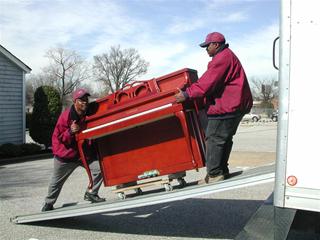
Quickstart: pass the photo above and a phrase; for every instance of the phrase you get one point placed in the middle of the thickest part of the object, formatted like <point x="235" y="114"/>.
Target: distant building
<point x="256" y="106"/>
<point x="12" y="98"/>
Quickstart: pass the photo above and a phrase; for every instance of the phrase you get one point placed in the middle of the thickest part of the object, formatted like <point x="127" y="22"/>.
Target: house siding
<point x="11" y="102"/>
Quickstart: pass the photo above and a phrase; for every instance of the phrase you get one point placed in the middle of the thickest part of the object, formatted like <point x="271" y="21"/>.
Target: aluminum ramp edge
<point x="248" y="178"/>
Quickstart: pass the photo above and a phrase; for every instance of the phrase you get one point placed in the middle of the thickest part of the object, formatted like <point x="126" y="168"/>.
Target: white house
<point x="12" y="98"/>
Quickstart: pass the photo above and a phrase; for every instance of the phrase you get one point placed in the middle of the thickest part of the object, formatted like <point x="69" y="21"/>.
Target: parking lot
<point x="215" y="216"/>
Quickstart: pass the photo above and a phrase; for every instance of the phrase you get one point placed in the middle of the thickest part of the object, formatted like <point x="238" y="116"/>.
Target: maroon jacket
<point x="224" y="85"/>
<point x="64" y="144"/>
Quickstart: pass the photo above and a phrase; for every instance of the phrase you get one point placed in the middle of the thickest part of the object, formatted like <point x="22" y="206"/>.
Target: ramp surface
<point x="250" y="177"/>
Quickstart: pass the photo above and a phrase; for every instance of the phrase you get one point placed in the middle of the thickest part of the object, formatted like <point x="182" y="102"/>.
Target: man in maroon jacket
<point x="227" y="96"/>
<point x="66" y="153"/>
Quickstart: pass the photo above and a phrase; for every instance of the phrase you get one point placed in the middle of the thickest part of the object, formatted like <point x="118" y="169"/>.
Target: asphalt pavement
<point x="222" y="215"/>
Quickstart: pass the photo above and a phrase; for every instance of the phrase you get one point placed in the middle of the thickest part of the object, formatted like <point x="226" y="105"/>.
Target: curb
<point x="42" y="156"/>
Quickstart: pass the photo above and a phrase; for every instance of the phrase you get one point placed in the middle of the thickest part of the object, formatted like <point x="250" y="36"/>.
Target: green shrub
<point x="46" y="110"/>
<point x="10" y="150"/>
<point x="30" y="148"/>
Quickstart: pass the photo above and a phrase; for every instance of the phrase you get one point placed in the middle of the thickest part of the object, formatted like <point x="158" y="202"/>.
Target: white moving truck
<point x="298" y="161"/>
<point x="297" y="177"/>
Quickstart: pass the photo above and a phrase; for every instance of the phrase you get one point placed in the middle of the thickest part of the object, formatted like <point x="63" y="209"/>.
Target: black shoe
<point x="94" y="198"/>
<point x="47" y="207"/>
<point x="226" y="174"/>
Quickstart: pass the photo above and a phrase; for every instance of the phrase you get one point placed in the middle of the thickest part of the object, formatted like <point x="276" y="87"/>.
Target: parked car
<point x="251" y="117"/>
<point x="274" y="116"/>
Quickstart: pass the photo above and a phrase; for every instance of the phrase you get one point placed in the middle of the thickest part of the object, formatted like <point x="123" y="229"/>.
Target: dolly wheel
<point x="182" y="182"/>
<point x="138" y="191"/>
<point x="168" y="187"/>
<point x="122" y="195"/>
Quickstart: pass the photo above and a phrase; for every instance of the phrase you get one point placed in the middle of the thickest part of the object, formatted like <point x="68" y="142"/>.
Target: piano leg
<point x="85" y="164"/>
<point x="182" y="117"/>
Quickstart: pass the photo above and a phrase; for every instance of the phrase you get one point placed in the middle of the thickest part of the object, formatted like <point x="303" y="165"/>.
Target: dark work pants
<point x="219" y="135"/>
<point x="61" y="172"/>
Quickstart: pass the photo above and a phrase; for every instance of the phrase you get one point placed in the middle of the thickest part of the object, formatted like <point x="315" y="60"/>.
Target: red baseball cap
<point x="79" y="93"/>
<point x="213" y="37"/>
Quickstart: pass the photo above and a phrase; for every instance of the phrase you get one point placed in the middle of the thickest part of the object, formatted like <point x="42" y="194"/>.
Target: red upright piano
<point x="141" y="128"/>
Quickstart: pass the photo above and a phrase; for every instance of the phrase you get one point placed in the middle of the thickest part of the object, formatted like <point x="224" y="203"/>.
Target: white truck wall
<point x="298" y="146"/>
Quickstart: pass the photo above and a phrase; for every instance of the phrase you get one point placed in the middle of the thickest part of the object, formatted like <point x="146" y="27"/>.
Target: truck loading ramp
<point x="249" y="177"/>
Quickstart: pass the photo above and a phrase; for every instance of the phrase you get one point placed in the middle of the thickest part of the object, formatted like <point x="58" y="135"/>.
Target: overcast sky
<point x="166" y="33"/>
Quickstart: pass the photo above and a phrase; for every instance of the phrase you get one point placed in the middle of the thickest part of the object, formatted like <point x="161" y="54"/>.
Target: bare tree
<point x="29" y="93"/>
<point x="66" y="70"/>
<point x="264" y="89"/>
<point x="118" y="67"/>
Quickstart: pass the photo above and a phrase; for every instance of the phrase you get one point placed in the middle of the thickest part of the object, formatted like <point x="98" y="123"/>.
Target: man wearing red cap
<point x="66" y="154"/>
<point x="227" y="97"/>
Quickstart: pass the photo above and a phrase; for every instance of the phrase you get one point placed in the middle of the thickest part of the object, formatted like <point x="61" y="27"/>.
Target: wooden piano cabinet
<point x="160" y="145"/>
<point x="141" y="128"/>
